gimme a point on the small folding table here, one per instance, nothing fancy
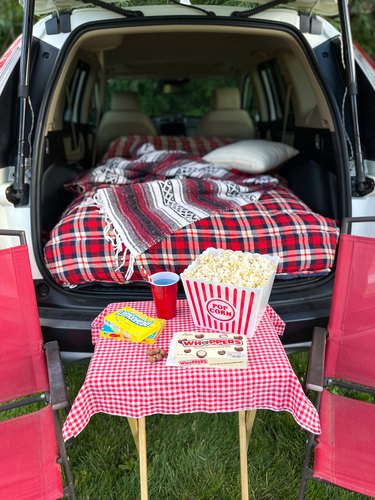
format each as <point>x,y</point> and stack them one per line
<point>121,381</point>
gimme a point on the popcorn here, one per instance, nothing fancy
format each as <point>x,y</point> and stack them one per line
<point>233,268</point>
<point>228,291</point>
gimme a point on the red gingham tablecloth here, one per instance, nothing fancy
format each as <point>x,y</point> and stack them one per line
<point>121,381</point>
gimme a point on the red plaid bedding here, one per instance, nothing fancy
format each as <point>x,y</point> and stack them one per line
<point>127,145</point>
<point>279,223</point>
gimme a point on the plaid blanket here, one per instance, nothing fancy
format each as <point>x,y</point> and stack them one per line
<point>161,192</point>
<point>77,253</point>
<point>128,145</point>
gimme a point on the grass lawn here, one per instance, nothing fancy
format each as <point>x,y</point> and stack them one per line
<point>192,457</point>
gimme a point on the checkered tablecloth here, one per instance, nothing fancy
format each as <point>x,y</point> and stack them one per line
<point>121,381</point>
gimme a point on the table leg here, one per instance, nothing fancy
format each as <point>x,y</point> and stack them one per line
<point>138,429</point>
<point>245,424</point>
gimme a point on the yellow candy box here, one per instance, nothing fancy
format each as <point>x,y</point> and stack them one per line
<point>134,326</point>
<point>107,333</point>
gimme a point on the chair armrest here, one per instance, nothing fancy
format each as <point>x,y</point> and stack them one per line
<point>58,391</point>
<point>315,369</point>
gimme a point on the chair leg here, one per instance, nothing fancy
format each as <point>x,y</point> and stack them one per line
<point>69,489</point>
<point>306,471</point>
<point>302,489</point>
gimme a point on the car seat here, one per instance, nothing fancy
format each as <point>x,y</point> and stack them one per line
<point>123,118</point>
<point>226,117</point>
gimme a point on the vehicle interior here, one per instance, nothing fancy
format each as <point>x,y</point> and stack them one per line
<point>277,87</point>
<point>167,82</point>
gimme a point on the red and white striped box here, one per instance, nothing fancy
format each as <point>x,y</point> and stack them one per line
<point>227,308</point>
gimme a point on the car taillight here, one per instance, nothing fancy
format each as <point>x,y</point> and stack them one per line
<point>12,50</point>
<point>8,61</point>
<point>364,55</point>
<point>366,63</point>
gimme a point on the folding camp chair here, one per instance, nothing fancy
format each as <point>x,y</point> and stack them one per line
<point>343,357</point>
<point>32,447</point>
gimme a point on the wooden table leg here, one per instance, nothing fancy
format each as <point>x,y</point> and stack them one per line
<point>245,425</point>
<point>138,429</point>
<point>245,422</point>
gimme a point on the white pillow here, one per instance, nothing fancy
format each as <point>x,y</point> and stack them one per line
<point>253,156</point>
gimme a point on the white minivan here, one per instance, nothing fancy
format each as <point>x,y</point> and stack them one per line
<point>100,103</point>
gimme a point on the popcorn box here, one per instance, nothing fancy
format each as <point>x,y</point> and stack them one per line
<point>226,307</point>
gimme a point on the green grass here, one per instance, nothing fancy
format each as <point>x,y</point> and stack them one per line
<point>192,457</point>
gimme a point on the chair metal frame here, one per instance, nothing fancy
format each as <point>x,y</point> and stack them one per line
<point>57,396</point>
<point>316,382</point>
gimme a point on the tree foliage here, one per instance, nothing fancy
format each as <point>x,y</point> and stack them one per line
<point>363,24</point>
<point>10,23</point>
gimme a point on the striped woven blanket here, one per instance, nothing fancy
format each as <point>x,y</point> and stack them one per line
<point>164,191</point>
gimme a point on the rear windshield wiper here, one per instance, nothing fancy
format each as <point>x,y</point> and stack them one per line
<point>195,7</point>
<point>259,8</point>
<point>114,8</point>
<point>138,13</point>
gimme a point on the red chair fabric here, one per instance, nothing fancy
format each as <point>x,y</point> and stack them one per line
<point>345,453</point>
<point>350,349</point>
<point>22,361</point>
<point>29,444</point>
<point>29,470</point>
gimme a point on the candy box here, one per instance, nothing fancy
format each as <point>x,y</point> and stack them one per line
<point>208,349</point>
<point>132,325</point>
<point>229,307</point>
<point>107,333</point>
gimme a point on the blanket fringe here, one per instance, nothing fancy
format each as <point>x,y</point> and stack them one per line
<point>120,252</point>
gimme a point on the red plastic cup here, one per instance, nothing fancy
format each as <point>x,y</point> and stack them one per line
<point>164,288</point>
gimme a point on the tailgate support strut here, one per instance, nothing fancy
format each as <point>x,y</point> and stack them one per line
<point>18,194</point>
<point>363,184</point>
